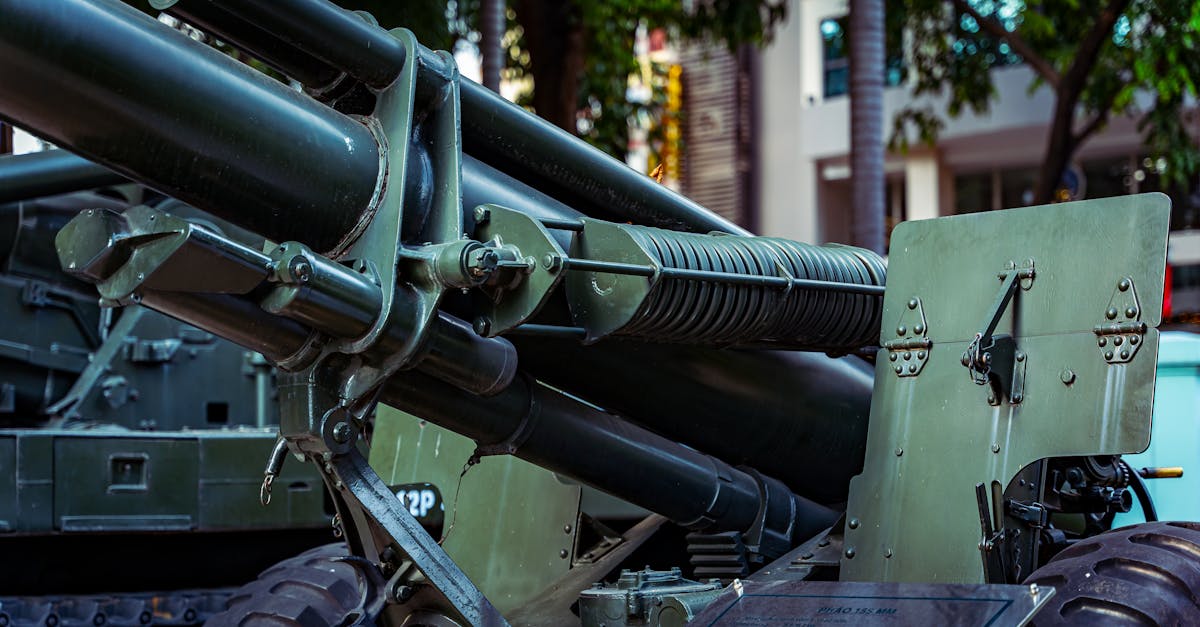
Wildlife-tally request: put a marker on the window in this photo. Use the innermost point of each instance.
(836, 55)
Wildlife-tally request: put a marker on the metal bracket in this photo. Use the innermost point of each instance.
(910, 350)
(1032, 514)
(995, 361)
(993, 546)
(1121, 336)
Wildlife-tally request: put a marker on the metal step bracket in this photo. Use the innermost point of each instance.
(995, 361)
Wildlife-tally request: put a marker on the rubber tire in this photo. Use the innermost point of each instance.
(309, 590)
(1147, 574)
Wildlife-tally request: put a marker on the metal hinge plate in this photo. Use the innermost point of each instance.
(1121, 335)
(909, 351)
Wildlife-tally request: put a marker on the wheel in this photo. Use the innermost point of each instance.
(309, 590)
(1147, 574)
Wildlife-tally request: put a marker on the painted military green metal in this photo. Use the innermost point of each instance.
(112, 479)
(912, 515)
(514, 524)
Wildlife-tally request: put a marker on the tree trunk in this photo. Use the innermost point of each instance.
(491, 48)
(866, 122)
(1059, 150)
(555, 38)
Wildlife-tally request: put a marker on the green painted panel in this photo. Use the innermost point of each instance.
(231, 473)
(512, 521)
(9, 510)
(912, 515)
(1080, 250)
(108, 484)
(35, 481)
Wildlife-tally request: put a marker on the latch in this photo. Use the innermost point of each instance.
(1121, 336)
(995, 361)
(910, 350)
(1032, 514)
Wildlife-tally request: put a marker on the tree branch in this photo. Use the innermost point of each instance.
(1089, 48)
(1092, 125)
(1018, 44)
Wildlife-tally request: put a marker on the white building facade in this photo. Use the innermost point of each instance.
(979, 163)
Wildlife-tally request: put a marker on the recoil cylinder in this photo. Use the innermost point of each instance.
(723, 289)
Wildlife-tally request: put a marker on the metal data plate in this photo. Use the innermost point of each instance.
(912, 515)
(797, 603)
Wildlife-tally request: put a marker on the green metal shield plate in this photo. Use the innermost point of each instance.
(912, 515)
(513, 523)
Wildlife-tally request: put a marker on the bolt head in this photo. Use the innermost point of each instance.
(912, 303)
(483, 325)
(1131, 312)
(918, 329)
(850, 553)
(891, 355)
(899, 369)
(482, 215)
(1067, 376)
(907, 355)
(402, 592)
(300, 270)
(901, 330)
(1102, 342)
(563, 554)
(920, 354)
(341, 432)
(1111, 313)
(1124, 354)
(1133, 339)
(853, 524)
(995, 448)
(1108, 354)
(1117, 341)
(1123, 285)
(899, 451)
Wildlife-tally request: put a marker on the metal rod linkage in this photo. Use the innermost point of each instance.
(612, 267)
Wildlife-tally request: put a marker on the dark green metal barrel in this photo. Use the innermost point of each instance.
(495, 131)
(130, 93)
(49, 173)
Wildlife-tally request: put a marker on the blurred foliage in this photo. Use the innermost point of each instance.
(587, 47)
(1102, 59)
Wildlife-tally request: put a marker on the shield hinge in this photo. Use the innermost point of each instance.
(1120, 337)
(909, 351)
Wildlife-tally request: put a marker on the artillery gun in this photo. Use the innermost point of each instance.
(431, 247)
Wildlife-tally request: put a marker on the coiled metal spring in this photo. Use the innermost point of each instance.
(715, 312)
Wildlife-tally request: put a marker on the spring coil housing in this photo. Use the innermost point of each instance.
(725, 314)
